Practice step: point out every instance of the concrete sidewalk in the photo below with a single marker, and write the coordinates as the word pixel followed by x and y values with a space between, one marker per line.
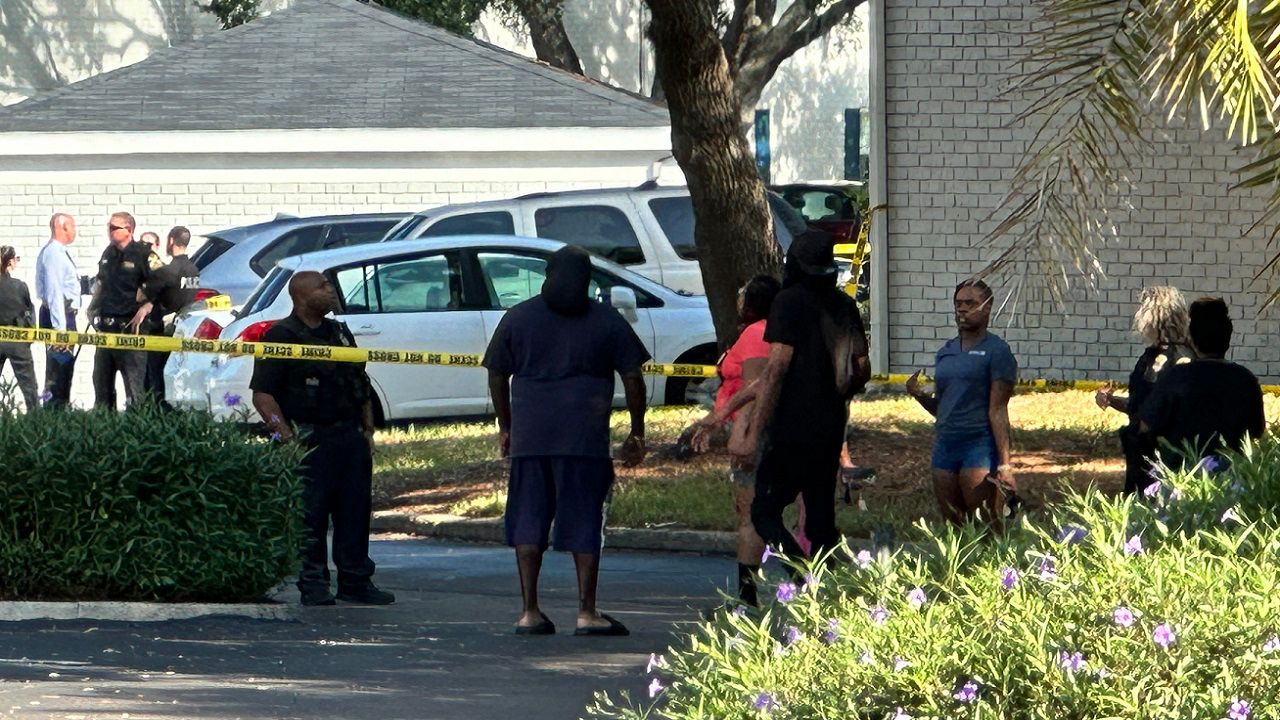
pixel 444 651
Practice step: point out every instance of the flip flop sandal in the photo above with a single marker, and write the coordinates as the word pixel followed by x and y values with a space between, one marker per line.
pixel 613 629
pixel 545 627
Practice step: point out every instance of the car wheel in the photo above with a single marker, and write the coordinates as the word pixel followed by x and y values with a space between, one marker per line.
pixel 693 391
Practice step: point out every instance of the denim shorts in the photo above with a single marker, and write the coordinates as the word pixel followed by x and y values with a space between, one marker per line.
pixel 965 452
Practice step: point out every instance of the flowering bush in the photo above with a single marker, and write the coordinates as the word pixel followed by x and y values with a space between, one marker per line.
pixel 1165 606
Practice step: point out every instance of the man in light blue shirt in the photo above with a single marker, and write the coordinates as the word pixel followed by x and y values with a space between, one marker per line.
pixel 58 288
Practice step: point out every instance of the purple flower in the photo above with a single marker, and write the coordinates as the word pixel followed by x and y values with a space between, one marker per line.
pixel 1164 636
pixel 1152 490
pixel 1271 645
pixel 967 693
pixel 738 611
pixel 899 664
pixel 786 592
pixel 1123 617
pixel 1230 516
pixel 900 714
pixel 1009 578
pixel 655 687
pixel 1072 534
pixel 764 701
pixel 1048 568
pixel 793 634
pixel 917 598
pixel 863 559
pixel 230 399
pixel 1071 662
pixel 1154 471
pixel 1134 546
pixel 276 436
pixel 879 615
pixel 832 633
pixel 45 396
pixel 655 661
pixel 810 581
pixel 1211 464
pixel 768 553
pixel 1239 710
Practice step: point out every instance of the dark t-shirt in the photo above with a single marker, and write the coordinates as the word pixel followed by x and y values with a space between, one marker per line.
pixel 120 274
pixel 316 392
pixel 810 410
pixel 964 379
pixel 172 288
pixel 1142 381
pixel 1204 399
pixel 562 370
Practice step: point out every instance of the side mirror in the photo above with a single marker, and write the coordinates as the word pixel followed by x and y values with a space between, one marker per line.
pixel 623 299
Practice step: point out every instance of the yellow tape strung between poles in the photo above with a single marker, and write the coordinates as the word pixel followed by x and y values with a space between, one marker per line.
pixel 285 351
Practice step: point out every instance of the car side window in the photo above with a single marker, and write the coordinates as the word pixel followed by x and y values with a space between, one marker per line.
pixel 675 217
pixel 420 284
pixel 484 223
pixel 513 278
pixel 294 242
pixel 359 233
pixel 599 229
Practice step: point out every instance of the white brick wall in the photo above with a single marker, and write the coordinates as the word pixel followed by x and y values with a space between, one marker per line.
pixel 951 150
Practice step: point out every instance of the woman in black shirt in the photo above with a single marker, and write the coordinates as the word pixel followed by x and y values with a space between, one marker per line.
pixel 16 311
pixel 1161 322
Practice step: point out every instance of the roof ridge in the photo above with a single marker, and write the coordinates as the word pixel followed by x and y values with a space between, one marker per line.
pixel 380 13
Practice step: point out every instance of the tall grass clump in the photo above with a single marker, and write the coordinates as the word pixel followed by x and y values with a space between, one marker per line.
pixel 1162 606
pixel 144 505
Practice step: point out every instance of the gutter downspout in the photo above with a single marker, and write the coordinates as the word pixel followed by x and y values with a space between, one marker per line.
pixel 879 178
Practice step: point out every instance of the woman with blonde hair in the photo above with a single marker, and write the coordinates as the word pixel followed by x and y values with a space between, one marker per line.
pixel 1162 322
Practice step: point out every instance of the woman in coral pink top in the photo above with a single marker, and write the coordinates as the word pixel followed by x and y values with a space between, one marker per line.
pixel 739 368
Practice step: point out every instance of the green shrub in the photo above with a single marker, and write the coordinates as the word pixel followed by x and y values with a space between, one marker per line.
pixel 144 505
pixel 1163 607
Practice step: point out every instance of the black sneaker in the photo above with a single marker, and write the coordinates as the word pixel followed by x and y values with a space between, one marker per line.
pixel 366 595
pixel 317 596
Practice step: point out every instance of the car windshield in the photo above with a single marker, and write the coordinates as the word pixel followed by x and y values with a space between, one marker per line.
pixel 267 291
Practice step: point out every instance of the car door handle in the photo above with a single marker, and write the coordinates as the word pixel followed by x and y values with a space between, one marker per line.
pixel 365 330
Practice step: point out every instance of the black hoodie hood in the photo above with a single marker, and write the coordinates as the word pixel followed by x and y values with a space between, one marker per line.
pixel 568 278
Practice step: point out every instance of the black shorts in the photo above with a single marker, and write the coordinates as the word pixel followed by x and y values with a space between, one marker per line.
pixel 569 490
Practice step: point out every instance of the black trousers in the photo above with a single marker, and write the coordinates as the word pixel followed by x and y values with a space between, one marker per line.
pixel 59 365
pixel 1138 449
pixel 132 366
pixel 154 382
pixel 787 470
pixel 337 473
pixel 24 370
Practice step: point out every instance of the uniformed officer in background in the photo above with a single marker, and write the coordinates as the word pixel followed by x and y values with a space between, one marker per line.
pixel 329 406
pixel 126 265
pixel 170 289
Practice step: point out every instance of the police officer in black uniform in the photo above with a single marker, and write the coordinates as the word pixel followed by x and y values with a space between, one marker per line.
pixel 170 289
pixel 328 405
pixel 126 265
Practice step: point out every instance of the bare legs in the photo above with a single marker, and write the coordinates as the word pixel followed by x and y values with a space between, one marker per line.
pixel 529 563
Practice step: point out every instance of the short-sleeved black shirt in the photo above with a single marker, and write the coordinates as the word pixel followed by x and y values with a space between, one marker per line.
pixel 1203 399
pixel 1142 381
pixel 562 370
pixel 120 274
pixel 172 288
pixel 317 392
pixel 810 411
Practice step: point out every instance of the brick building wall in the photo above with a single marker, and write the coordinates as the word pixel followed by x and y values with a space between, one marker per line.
pixel 951 149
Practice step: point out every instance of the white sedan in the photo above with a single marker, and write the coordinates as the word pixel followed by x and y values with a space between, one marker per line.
pixel 436 295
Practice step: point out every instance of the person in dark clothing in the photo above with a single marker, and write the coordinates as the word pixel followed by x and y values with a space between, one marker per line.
pixel 1161 321
pixel 1209 403
pixel 551 364
pixel 171 289
pixel 16 310
pixel 817 362
pixel 126 265
pixel 328 406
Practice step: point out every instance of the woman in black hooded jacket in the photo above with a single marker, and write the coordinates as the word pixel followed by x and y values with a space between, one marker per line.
pixel 16 310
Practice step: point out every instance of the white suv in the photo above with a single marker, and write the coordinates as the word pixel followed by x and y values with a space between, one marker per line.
pixel 648 230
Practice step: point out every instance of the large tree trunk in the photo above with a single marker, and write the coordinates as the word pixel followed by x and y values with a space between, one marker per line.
pixel 734 232
pixel 546 31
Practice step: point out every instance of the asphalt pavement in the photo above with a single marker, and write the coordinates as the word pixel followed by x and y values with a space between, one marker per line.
pixel 444 651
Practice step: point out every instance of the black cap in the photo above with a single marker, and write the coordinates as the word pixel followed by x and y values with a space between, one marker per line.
pixel 813 253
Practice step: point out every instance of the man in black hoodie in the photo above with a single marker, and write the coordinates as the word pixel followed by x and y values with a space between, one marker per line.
pixel 817 362
pixel 551 365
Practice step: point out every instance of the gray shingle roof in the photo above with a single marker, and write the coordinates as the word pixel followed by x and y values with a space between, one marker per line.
pixel 332 64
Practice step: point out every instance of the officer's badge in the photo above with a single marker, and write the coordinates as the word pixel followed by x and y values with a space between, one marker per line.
pixel 127 265
pixel 154 262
